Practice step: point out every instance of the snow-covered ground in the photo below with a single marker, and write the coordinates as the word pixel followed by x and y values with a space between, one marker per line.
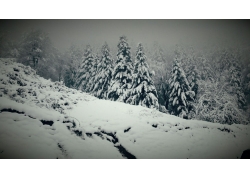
pixel 44 119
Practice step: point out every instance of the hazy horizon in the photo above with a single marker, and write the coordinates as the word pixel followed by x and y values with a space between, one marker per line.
pixel 167 32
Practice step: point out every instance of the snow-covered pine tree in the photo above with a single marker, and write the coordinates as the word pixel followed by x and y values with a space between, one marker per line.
pixel 180 92
pixel 189 65
pixel 104 75
pixel 93 73
pixel 143 91
pixel 193 78
pixel 84 72
pixel 236 82
pixel 122 74
pixel 73 58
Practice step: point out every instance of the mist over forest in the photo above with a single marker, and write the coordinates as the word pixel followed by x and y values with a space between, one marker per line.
pixel 193 69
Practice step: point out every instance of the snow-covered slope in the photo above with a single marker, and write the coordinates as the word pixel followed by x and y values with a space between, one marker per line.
pixel 43 119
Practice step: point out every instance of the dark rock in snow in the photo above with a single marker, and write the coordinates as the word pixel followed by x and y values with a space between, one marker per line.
pixel 120 148
pixel 47 122
pixel 77 132
pixel 245 154
pixel 15 69
pixel 89 134
pixel 154 125
pixel 225 129
pixel 12 111
pixel 126 130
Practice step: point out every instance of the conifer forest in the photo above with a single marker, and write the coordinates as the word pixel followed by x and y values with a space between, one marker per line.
pixel 209 83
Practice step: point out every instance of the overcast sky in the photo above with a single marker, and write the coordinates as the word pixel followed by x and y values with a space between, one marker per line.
pixel 166 32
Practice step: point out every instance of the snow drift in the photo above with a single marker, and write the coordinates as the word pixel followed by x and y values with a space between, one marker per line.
pixel 44 119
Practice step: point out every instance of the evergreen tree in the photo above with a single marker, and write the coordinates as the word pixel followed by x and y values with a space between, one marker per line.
pixel 73 57
pixel 158 62
pixel 104 75
pixel 37 51
pixel 85 70
pixel 193 78
pixel 122 74
pixel 58 65
pixel 93 73
pixel 236 82
pixel 143 91
pixel 179 94
pixel 34 49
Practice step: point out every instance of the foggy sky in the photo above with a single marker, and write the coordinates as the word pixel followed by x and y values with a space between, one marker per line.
pixel 166 32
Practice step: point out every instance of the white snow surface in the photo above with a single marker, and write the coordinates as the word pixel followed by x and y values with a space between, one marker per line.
pixel 144 133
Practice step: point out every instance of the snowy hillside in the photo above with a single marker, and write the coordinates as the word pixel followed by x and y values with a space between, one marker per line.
pixel 44 119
